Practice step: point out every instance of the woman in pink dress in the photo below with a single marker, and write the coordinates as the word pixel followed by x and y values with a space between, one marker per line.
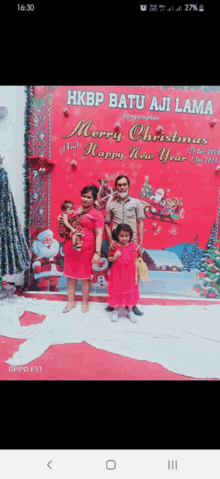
pixel 78 264
pixel 122 284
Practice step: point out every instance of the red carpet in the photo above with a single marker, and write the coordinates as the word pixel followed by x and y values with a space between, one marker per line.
pixel 82 361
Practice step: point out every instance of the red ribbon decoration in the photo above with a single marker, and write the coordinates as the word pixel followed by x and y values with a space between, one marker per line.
pixel 38 162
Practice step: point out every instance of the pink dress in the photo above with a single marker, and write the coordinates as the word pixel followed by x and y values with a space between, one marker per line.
pixel 78 264
pixel 122 287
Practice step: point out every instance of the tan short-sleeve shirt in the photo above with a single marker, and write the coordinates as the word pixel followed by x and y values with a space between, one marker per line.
pixel 128 212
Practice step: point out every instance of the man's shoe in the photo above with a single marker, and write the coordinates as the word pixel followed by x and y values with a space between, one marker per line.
pixel 114 316
pixel 109 308
pixel 137 311
pixel 131 316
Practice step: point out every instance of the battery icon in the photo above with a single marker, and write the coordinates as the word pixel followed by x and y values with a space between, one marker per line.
pixel 201 8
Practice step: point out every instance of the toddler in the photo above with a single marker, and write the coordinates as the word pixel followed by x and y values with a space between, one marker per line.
pixel 68 212
pixel 122 284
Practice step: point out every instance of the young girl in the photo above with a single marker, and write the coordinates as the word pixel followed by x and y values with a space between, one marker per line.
pixel 122 284
pixel 68 212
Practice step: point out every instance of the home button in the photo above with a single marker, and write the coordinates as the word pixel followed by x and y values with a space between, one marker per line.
pixel 111 464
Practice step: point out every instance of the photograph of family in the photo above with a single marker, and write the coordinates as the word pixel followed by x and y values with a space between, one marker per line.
pixel 109 233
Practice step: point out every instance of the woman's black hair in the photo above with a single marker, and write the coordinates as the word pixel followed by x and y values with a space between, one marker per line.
pixel 120 177
pixel 65 204
pixel 122 227
pixel 93 188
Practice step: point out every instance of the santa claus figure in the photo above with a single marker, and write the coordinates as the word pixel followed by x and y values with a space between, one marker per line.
pixel 46 261
pixel 157 202
pixel 100 272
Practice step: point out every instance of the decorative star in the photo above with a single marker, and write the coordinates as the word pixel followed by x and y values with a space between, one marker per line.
pixel 132 165
pixel 68 159
pixel 57 93
pixel 139 165
pixel 77 111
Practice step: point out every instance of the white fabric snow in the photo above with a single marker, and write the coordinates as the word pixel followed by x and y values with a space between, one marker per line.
pixel 183 339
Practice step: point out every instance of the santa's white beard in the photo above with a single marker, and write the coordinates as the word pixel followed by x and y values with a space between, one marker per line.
pixel 45 252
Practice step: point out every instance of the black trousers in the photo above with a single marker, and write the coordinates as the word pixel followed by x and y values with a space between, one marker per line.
pixel 105 250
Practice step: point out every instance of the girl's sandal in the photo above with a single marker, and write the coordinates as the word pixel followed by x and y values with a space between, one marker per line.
pixel 66 309
pixel 85 308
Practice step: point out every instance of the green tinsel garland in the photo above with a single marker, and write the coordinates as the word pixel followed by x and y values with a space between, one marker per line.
pixel 26 174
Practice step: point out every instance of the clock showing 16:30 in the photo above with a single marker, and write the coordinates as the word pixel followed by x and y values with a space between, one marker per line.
pixel 25 8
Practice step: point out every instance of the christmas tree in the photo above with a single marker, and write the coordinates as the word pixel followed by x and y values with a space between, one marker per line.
pixel 184 259
pixel 146 190
pixel 195 255
pixel 210 245
pixel 211 238
pixel 14 252
pixel 201 266
pixel 211 275
pixel 6 289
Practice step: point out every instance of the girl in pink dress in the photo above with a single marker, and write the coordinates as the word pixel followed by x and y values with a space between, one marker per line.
pixel 122 284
